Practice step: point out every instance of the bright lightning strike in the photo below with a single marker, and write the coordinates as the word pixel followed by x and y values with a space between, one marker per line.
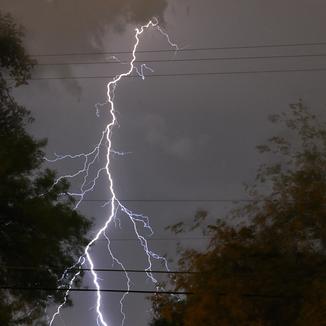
pixel 89 159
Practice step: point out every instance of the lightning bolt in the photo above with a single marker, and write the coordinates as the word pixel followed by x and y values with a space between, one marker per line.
pixel 89 159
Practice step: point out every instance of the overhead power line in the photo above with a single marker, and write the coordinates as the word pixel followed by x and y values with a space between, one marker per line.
pixel 202 200
pixel 192 74
pixel 29 268
pixel 185 59
pixel 159 200
pixel 257 46
pixel 245 295
pixel 22 288
pixel 192 200
pixel 160 239
pixel 183 200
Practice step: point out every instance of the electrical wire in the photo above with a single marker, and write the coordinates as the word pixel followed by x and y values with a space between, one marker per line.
pixel 22 288
pixel 186 59
pixel 183 200
pixel 257 46
pixel 192 74
pixel 29 268
pixel 246 295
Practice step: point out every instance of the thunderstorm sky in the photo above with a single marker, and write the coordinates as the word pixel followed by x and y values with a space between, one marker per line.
pixel 190 137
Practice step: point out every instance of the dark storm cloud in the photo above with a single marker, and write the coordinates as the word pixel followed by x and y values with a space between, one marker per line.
pixel 61 26
pixel 79 22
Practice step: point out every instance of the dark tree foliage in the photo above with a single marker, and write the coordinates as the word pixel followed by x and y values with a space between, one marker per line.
pixel 269 269
pixel 13 58
pixel 38 226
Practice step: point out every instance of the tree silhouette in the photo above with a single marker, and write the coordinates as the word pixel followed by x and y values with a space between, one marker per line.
pixel 269 269
pixel 39 227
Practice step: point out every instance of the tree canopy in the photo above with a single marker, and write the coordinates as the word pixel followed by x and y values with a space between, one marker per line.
pixel 41 233
pixel 269 268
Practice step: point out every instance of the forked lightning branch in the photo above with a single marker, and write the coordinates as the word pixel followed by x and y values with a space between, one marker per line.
pixel 139 222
